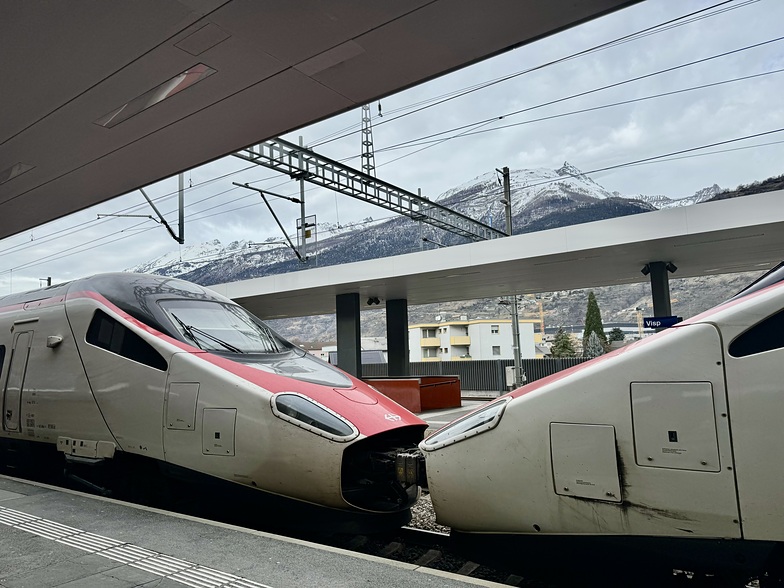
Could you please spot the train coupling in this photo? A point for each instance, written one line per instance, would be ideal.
(410, 468)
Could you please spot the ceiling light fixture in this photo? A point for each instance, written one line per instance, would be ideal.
(14, 171)
(158, 94)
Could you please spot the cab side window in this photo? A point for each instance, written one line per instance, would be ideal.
(764, 336)
(2, 360)
(107, 333)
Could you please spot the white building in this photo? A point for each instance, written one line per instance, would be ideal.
(467, 340)
(369, 344)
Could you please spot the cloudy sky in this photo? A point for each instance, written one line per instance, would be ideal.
(438, 135)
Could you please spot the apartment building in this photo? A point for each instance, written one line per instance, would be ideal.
(465, 339)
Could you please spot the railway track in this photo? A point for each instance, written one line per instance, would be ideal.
(434, 550)
(424, 548)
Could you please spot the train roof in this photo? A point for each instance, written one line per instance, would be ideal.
(125, 284)
(133, 293)
(149, 284)
(32, 295)
(773, 276)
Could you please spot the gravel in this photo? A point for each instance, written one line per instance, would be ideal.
(424, 517)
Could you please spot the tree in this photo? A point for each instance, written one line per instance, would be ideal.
(616, 334)
(593, 347)
(593, 321)
(562, 345)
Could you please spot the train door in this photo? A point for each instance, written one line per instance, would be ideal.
(14, 384)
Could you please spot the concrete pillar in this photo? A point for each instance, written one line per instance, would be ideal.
(349, 343)
(397, 337)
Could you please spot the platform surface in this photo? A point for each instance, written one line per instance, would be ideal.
(436, 419)
(51, 537)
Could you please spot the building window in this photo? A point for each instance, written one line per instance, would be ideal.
(444, 350)
(429, 352)
(496, 350)
(428, 333)
(494, 329)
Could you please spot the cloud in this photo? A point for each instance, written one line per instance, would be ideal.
(629, 135)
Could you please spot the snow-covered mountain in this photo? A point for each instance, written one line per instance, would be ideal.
(190, 257)
(481, 197)
(661, 201)
(541, 199)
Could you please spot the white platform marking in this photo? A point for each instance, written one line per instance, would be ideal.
(179, 570)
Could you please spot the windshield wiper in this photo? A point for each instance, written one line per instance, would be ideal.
(270, 338)
(190, 330)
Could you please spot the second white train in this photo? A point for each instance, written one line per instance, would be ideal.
(667, 451)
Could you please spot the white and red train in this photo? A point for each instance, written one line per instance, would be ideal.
(137, 373)
(666, 452)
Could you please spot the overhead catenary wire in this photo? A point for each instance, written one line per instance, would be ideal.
(654, 29)
(716, 9)
(655, 159)
(473, 128)
(659, 158)
(678, 152)
(424, 140)
(68, 231)
(83, 248)
(93, 223)
(647, 160)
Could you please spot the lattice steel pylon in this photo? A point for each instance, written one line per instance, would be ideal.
(368, 155)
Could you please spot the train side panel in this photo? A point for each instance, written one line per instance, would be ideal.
(220, 423)
(621, 445)
(45, 393)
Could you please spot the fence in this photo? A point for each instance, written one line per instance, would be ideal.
(484, 375)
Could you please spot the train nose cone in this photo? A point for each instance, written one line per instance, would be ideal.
(358, 396)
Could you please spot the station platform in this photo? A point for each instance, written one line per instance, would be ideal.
(436, 419)
(53, 537)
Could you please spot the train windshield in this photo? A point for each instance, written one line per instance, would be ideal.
(217, 326)
(222, 327)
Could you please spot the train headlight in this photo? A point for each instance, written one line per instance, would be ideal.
(475, 423)
(308, 414)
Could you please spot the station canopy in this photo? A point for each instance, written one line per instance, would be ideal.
(101, 98)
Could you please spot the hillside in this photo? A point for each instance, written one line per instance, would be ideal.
(567, 307)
